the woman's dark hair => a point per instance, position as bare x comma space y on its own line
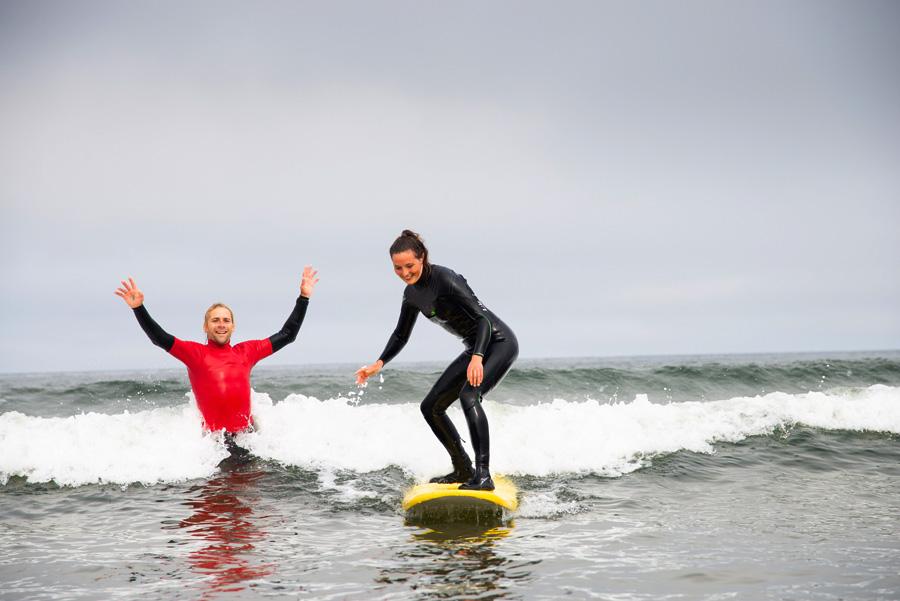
409, 240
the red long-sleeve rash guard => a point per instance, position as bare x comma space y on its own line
220, 379
220, 374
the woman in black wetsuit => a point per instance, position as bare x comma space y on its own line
445, 298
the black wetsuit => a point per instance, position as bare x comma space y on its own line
445, 298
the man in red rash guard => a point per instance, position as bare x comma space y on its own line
219, 372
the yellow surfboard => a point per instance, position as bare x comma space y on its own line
446, 502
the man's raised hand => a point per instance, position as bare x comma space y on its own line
130, 293
309, 281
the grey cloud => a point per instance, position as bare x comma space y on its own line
613, 178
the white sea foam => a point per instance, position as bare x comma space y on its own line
165, 445
159, 445
544, 505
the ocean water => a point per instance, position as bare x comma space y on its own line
712, 477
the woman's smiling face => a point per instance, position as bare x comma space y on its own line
407, 266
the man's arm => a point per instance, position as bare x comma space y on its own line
134, 298
155, 333
288, 332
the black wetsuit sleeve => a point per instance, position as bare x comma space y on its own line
288, 332
465, 298
400, 337
155, 333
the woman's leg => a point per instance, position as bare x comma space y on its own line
498, 359
434, 408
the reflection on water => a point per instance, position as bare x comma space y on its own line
459, 561
461, 531
223, 516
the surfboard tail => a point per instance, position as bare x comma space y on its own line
446, 503
449, 510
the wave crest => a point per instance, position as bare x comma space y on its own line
610, 439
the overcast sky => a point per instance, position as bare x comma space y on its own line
613, 178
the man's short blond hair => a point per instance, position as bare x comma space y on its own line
212, 308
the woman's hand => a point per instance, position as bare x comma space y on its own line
367, 371
475, 372
130, 294
309, 281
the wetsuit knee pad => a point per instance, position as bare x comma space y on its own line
469, 397
427, 408
431, 408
